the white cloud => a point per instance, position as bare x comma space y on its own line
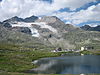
22, 8
72, 4
87, 15
26, 8
92, 13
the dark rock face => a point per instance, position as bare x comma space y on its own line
7, 25
31, 19
85, 27
88, 28
22, 29
0, 22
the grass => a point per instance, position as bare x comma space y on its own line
16, 59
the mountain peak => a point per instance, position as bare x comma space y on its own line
85, 27
89, 28
49, 19
17, 19
14, 19
31, 18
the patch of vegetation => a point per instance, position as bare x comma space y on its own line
86, 52
14, 58
96, 52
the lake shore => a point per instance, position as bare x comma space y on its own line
20, 60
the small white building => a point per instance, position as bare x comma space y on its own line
82, 48
87, 48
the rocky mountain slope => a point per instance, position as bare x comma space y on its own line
22, 40
51, 31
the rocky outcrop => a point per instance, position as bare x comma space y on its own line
22, 29
7, 25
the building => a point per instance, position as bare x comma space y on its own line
87, 48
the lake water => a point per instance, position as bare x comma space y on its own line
68, 65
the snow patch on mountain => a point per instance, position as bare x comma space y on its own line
44, 25
93, 25
34, 31
21, 24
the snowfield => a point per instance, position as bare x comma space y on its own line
34, 31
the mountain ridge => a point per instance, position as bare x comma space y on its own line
89, 28
52, 31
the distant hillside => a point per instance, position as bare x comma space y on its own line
84, 38
89, 28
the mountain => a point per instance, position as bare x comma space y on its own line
14, 20
52, 29
54, 32
89, 28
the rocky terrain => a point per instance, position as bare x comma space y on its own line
50, 30
20, 39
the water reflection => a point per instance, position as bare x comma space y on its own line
68, 65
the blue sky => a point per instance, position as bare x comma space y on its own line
76, 12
